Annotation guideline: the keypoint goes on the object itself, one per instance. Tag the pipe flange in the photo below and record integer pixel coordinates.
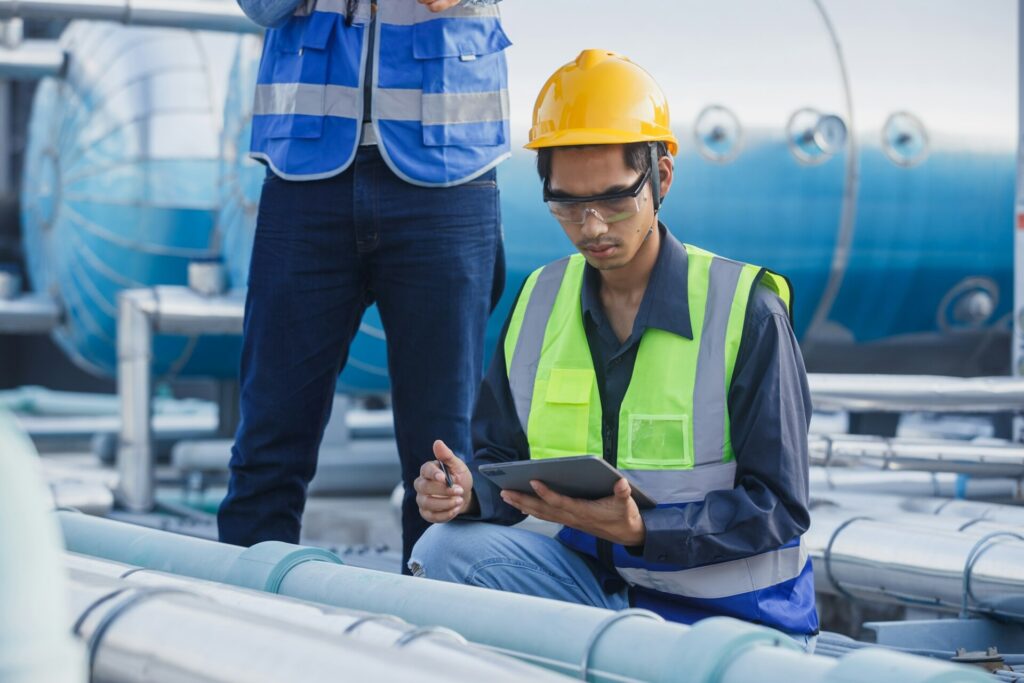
(264, 565)
(588, 650)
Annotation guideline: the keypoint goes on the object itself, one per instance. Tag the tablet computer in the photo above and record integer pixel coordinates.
(588, 477)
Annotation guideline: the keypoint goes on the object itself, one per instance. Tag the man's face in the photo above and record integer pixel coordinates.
(601, 170)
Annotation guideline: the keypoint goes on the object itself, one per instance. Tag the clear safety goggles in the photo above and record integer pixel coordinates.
(607, 208)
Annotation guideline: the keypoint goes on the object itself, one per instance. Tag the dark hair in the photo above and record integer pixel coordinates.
(638, 156)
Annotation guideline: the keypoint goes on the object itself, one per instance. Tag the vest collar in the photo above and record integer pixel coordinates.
(666, 300)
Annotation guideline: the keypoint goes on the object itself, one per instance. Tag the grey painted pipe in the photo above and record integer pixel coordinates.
(141, 314)
(856, 555)
(924, 505)
(562, 636)
(926, 455)
(440, 649)
(200, 15)
(28, 314)
(824, 480)
(32, 60)
(900, 393)
(35, 642)
(167, 635)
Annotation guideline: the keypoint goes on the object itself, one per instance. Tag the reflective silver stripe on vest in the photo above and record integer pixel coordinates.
(399, 104)
(684, 486)
(725, 578)
(526, 356)
(362, 15)
(284, 99)
(710, 396)
(408, 12)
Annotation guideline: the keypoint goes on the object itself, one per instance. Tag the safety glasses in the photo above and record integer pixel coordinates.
(607, 208)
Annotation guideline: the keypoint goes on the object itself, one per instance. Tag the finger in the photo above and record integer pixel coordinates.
(448, 457)
(550, 497)
(441, 5)
(622, 489)
(437, 504)
(436, 488)
(439, 517)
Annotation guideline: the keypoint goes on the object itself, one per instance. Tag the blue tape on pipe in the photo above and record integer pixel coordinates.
(264, 566)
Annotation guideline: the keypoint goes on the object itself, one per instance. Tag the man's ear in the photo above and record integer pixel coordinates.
(666, 169)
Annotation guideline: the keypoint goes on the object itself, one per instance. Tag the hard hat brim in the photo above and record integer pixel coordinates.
(598, 136)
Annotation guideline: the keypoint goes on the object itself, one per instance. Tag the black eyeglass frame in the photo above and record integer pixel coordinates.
(632, 192)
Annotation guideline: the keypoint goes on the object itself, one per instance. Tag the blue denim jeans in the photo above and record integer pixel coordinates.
(519, 561)
(432, 260)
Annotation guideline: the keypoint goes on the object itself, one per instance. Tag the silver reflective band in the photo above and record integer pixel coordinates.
(709, 390)
(398, 104)
(283, 99)
(725, 578)
(369, 135)
(522, 372)
(408, 12)
(362, 15)
(684, 486)
(470, 107)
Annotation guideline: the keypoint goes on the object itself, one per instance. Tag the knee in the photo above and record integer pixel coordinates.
(444, 551)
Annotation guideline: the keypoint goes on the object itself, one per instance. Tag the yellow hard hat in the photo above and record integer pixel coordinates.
(601, 98)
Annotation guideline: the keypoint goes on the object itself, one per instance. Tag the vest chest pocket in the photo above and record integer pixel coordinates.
(657, 442)
(296, 64)
(465, 97)
(564, 423)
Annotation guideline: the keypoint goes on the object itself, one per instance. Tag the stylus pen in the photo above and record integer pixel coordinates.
(447, 476)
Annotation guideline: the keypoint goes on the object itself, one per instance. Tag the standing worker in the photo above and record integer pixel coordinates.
(381, 123)
(677, 366)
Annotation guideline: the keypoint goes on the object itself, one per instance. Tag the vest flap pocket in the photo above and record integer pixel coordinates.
(658, 442)
(570, 386)
(466, 38)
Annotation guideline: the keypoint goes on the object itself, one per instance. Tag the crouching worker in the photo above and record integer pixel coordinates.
(679, 367)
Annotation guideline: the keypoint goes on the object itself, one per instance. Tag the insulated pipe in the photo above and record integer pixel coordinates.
(856, 556)
(898, 393)
(29, 314)
(35, 641)
(166, 635)
(32, 60)
(440, 649)
(562, 636)
(197, 15)
(963, 510)
(825, 480)
(142, 313)
(925, 455)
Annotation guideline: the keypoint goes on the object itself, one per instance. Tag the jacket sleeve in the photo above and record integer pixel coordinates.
(770, 411)
(270, 13)
(497, 437)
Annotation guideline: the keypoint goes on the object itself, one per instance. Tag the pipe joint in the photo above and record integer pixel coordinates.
(264, 565)
(712, 645)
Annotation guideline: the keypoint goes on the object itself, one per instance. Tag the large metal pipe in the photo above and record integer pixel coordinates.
(602, 645)
(440, 649)
(858, 556)
(899, 393)
(199, 15)
(166, 635)
(35, 642)
(923, 455)
(962, 510)
(142, 313)
(32, 60)
(28, 314)
(906, 483)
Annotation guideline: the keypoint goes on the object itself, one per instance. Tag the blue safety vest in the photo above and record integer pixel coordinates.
(439, 97)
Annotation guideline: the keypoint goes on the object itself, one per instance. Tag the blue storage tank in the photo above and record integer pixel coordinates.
(120, 183)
